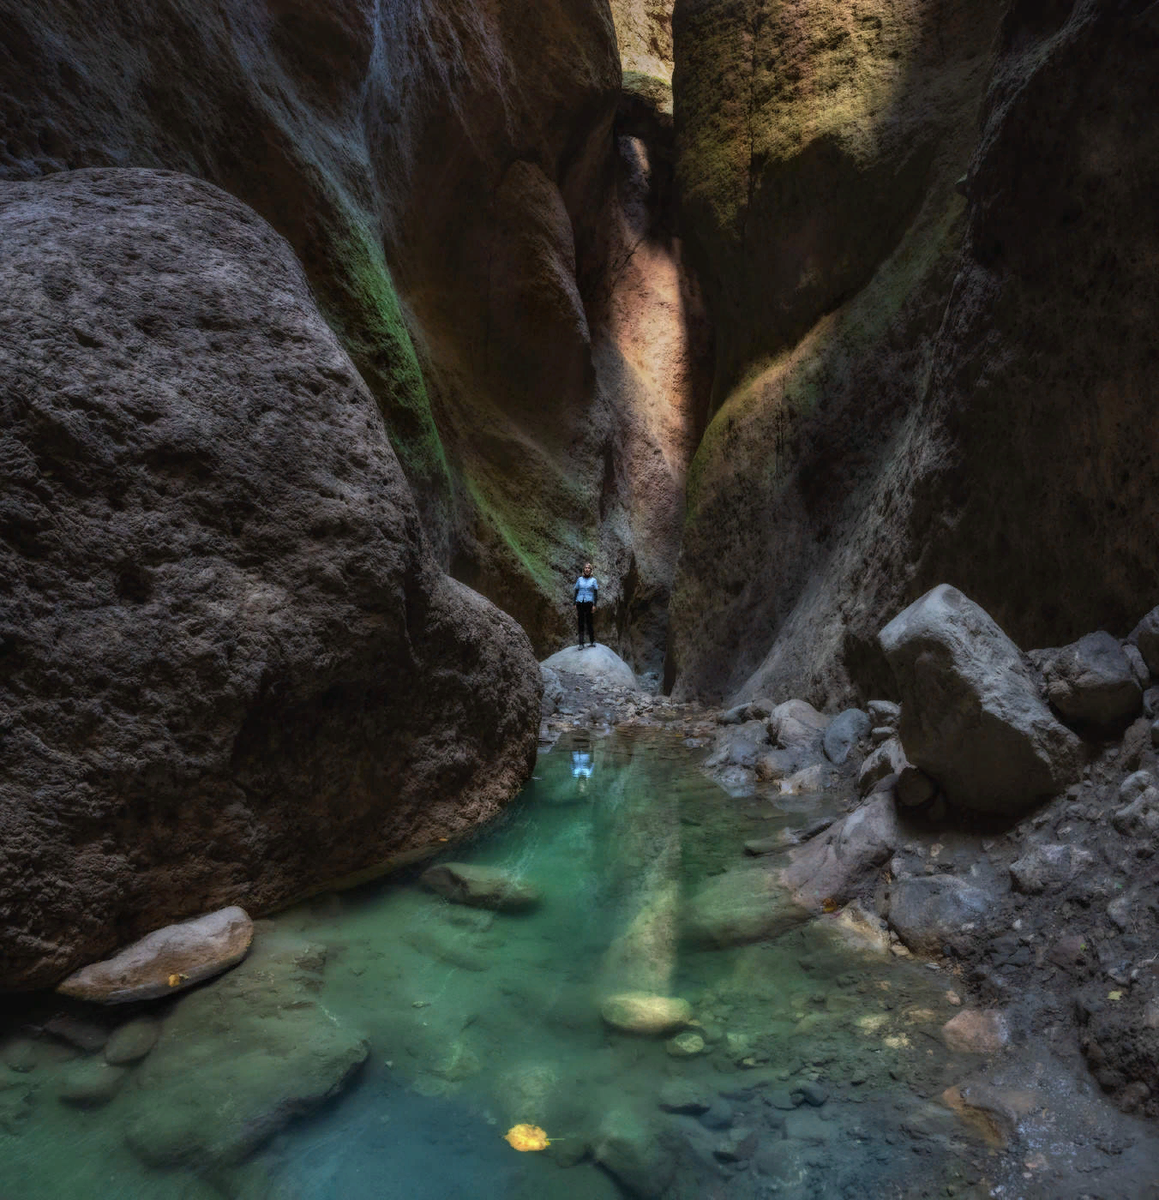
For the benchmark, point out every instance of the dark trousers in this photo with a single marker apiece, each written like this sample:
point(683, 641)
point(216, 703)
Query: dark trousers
point(583, 619)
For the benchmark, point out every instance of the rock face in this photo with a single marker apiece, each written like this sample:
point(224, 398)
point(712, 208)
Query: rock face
point(448, 175)
point(231, 671)
point(971, 716)
point(971, 352)
point(167, 960)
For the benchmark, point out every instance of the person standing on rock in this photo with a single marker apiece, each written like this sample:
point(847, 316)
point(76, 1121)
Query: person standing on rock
point(585, 591)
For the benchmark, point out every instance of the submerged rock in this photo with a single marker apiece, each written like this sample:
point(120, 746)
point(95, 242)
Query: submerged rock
point(167, 960)
point(976, 1031)
point(132, 1041)
point(971, 714)
point(90, 1083)
point(238, 1059)
point(641, 1012)
point(481, 887)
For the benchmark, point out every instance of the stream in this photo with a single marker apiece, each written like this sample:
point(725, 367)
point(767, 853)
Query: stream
point(817, 1072)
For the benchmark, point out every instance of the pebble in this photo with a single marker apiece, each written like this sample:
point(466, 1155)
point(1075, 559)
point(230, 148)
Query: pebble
point(132, 1041)
point(814, 1093)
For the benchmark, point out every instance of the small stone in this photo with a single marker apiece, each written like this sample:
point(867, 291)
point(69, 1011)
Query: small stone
point(783, 1099)
point(685, 1045)
point(884, 713)
point(84, 1035)
point(132, 1042)
point(843, 733)
point(953, 998)
point(976, 1031)
point(814, 1093)
point(645, 1013)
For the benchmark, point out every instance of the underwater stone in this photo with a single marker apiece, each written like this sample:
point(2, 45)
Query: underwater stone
point(642, 1012)
point(91, 1083)
point(480, 887)
point(132, 1041)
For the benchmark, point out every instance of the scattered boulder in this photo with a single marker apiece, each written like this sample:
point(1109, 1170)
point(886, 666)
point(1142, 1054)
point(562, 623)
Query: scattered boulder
point(167, 960)
point(843, 733)
point(772, 765)
point(884, 713)
point(808, 779)
point(599, 663)
point(85, 1035)
point(888, 759)
point(1091, 683)
point(733, 716)
point(1145, 636)
point(481, 887)
point(132, 1042)
point(19, 1055)
point(971, 714)
point(929, 912)
point(644, 1013)
point(837, 863)
point(976, 1031)
point(796, 724)
point(738, 746)
point(1048, 867)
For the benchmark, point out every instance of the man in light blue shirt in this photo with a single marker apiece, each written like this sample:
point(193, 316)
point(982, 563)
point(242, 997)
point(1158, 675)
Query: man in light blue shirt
point(586, 590)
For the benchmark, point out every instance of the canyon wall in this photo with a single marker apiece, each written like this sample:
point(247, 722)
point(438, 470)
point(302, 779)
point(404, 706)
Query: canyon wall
point(922, 246)
point(443, 173)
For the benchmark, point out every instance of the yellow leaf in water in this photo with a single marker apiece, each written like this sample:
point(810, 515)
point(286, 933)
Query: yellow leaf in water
point(174, 980)
point(527, 1137)
point(1114, 995)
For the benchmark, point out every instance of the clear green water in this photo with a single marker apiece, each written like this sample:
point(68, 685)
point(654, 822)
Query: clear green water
point(477, 1021)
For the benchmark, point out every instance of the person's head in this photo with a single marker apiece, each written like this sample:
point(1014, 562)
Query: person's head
point(587, 568)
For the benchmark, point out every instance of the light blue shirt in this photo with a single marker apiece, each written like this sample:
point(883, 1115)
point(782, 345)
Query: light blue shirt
point(586, 588)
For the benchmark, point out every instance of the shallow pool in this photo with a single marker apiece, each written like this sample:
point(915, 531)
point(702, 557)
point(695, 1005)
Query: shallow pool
point(817, 1073)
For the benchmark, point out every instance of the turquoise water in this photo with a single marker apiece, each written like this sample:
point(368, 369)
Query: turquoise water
point(477, 1021)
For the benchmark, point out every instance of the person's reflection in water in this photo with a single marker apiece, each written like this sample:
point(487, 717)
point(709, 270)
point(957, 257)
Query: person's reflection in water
point(581, 764)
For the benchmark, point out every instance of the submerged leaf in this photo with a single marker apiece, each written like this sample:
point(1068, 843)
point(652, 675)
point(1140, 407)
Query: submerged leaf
point(527, 1137)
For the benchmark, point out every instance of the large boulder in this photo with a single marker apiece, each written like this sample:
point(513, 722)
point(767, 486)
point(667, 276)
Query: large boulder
point(599, 663)
point(232, 673)
point(971, 715)
point(1092, 682)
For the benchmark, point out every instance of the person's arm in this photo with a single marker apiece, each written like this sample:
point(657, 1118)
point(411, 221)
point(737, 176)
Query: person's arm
point(595, 590)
